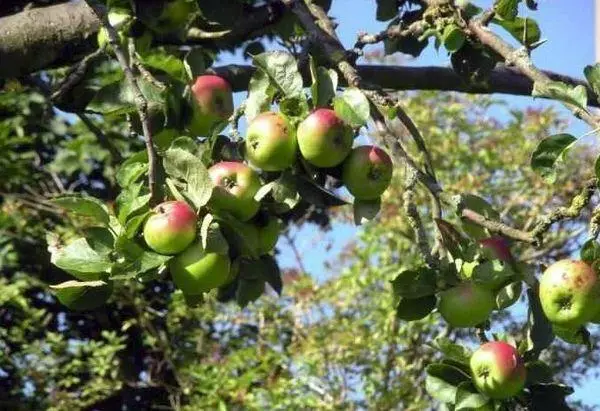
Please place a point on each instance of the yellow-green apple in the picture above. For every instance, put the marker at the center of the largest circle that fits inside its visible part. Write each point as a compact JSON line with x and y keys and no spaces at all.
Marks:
{"x":171,"y":227}
{"x":235,"y":186}
{"x":466,"y":304}
{"x":271,"y":142}
{"x":367,"y":172}
{"x":498,"y":370}
{"x":213,"y":104}
{"x":570,"y":293}
{"x":196,"y":271}
{"x":324,"y":139}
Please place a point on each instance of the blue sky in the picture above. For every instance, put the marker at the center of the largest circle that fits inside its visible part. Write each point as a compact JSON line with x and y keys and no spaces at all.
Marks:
{"x":569,"y":28}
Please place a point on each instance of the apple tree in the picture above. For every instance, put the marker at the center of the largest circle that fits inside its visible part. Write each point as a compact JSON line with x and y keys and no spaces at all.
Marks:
{"x":142,"y":204}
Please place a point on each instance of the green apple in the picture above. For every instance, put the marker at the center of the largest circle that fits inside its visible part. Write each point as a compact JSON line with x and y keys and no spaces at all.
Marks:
{"x":213,"y":104}
{"x":196,"y":271}
{"x":268,"y":233}
{"x":367,"y":172}
{"x":498,"y":370}
{"x":236,"y":185}
{"x":466,"y":305}
{"x":270,"y":142}
{"x":171,"y":227}
{"x":324,"y":139}
{"x":570,"y":293}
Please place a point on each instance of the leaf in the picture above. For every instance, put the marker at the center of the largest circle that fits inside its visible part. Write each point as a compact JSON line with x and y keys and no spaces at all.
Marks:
{"x":365,"y":211}
{"x":451,"y":350}
{"x":282,"y":70}
{"x":468,"y":398}
{"x":251,"y":284}
{"x":386,"y":9}
{"x":453,"y":38}
{"x":84,"y":206}
{"x":271,"y":273}
{"x":539,"y":329}
{"x":212,"y":239}
{"x":118,"y":98}
{"x":324,"y":85}
{"x":82,"y":298}
{"x":241,"y":237}
{"x":139,"y":261}
{"x":260,"y":95}
{"x":549,"y":396}
{"x":129,"y":173}
{"x":592,"y":74}
{"x":100,"y":239}
{"x":130,"y":201}
{"x":479,"y":205}
{"x":416,"y":283}
{"x":405,"y":44}
{"x":76,"y":284}
{"x":492,"y":274}
{"x":508,"y":295}
{"x":79,"y":257}
{"x":317,"y":195}
{"x":524,"y":30}
{"x":442,"y":381}
{"x":195,"y":62}
{"x":264,"y":190}
{"x":294,"y":106}
{"x":158,"y":58}
{"x":538,"y":372}
{"x":507,"y":9}
{"x":452,"y":239}
{"x":134,"y":223}
{"x":352,"y":107}
{"x":590,"y":251}
{"x":183,"y":165}
{"x":285,"y":193}
{"x":412,"y":309}
{"x":548,"y":151}
{"x":557,"y":90}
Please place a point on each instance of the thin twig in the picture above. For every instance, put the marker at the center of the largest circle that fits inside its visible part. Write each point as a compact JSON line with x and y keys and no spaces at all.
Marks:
{"x":101,"y":137}
{"x":76,"y":74}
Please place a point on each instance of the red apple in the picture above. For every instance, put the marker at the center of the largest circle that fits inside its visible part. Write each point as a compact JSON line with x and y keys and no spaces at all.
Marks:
{"x":235,"y":187}
{"x":498,"y":370}
{"x":466,"y":305}
{"x":171,"y":227}
{"x":367,"y":172}
{"x":271,"y":142}
{"x":496,"y":247}
{"x":213,"y":104}
{"x":324,"y":139}
{"x":570,"y":293}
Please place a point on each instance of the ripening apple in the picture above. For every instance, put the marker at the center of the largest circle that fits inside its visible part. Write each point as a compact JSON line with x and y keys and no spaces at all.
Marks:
{"x":213,"y":104}
{"x":324,"y":139}
{"x":271,"y":142}
{"x":496,"y":247}
{"x":171,"y":227}
{"x":498,"y":370}
{"x":196,"y":271}
{"x":466,"y":305}
{"x":235,"y":186}
{"x":367,"y":172}
{"x":268,"y":234}
{"x":570,"y":293}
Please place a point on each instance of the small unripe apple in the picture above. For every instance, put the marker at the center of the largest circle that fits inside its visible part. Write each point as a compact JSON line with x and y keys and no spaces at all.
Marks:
{"x":213,"y":104}
{"x":171,"y":227}
{"x":195,"y":271}
{"x":235,"y":187}
{"x":570,"y":293}
{"x":324,"y":139}
{"x":271,"y":142}
{"x":367,"y":172}
{"x":498,"y":370}
{"x":268,"y":235}
{"x":466,"y":305}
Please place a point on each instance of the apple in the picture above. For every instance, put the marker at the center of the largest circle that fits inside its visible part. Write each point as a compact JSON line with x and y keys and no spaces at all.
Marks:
{"x":498,"y":370}
{"x":271,"y":142}
{"x":196,"y":271}
{"x":466,"y":305}
{"x":496,"y":247}
{"x":324,"y":139}
{"x":268,"y":233}
{"x":235,"y":186}
{"x":570,"y":293}
{"x":367,"y":172}
{"x":213,"y":104}
{"x":171,"y":227}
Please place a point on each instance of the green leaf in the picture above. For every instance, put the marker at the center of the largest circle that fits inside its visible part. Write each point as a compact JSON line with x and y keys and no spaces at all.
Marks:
{"x":507,"y":9}
{"x":100,"y":239}
{"x":538,"y":372}
{"x":130,"y":173}
{"x":85,"y":206}
{"x":131,"y":201}
{"x":118,"y":98}
{"x":479,"y":205}
{"x":79,"y":257}
{"x":134,"y":223}
{"x":442,"y":381}
{"x":271,"y":273}
{"x":324,"y":85}
{"x":539,"y":329}
{"x":546,"y":154}
{"x":416,"y":283}
{"x":282,"y":70}
{"x":524,"y":30}
{"x":453,"y":241}
{"x":557,"y":90}
{"x":453,"y":38}
{"x":260,"y":95}
{"x":412,"y":309}
{"x":76,"y":284}
{"x":508,"y":295}
{"x":597,"y":167}
{"x":492,"y":274}
{"x":294,"y":106}
{"x":241,"y":237}
{"x":183,"y":165}
{"x":315,"y":194}
{"x":211,"y":236}
{"x":137,"y":260}
{"x":468,"y":398}
{"x":592,"y":74}
{"x":386,"y":9}
{"x":550,"y":396}
{"x":590,"y":251}
{"x":452,"y":351}
{"x":81,"y":298}
{"x":158,"y":58}
{"x":365,"y":211}
{"x":352,"y":107}
{"x":195,"y":63}
{"x":285,"y":193}
{"x":251,"y":283}
{"x":264,"y":190}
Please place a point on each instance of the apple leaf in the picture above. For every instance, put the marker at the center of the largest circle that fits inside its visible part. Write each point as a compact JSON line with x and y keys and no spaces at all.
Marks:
{"x":76,"y":284}
{"x":492,"y":274}
{"x":548,"y":152}
{"x":538,"y":372}
{"x":550,"y":396}
{"x":271,"y":273}
{"x":317,"y":195}
{"x":525,"y":30}
{"x":386,"y":9}
{"x":451,"y":350}
{"x":183,"y":165}
{"x":211,"y":236}
{"x":285,"y":193}
{"x":251,"y":283}
{"x":78,"y":256}
{"x":134,"y":223}
{"x":100,"y":239}
{"x":294,"y":106}
{"x":412,"y":309}
{"x":507,"y":9}
{"x":539,"y":329}
{"x":324,"y":85}
{"x":468,"y":398}
{"x":282,"y":70}
{"x":352,"y":107}
{"x":479,"y":205}
{"x":242,"y":237}
{"x":557,"y":90}
{"x":590,"y":251}
{"x":365,"y":211}
{"x":442,"y":381}
{"x":416,"y":283}
{"x":508,"y":295}
{"x":131,"y":201}
{"x":194,"y":62}
{"x":453,"y":38}
{"x":160,"y":59}
{"x":83,"y":297}
{"x":592,"y":74}
{"x":138,"y":261}
{"x":452,"y":239}
{"x":85,"y":206}
{"x":260,"y":95}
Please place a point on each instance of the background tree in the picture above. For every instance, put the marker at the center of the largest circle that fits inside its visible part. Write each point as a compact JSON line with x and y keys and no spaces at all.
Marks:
{"x":75,"y":120}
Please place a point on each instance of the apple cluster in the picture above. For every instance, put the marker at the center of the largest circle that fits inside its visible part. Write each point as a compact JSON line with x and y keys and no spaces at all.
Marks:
{"x":272,"y":144}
